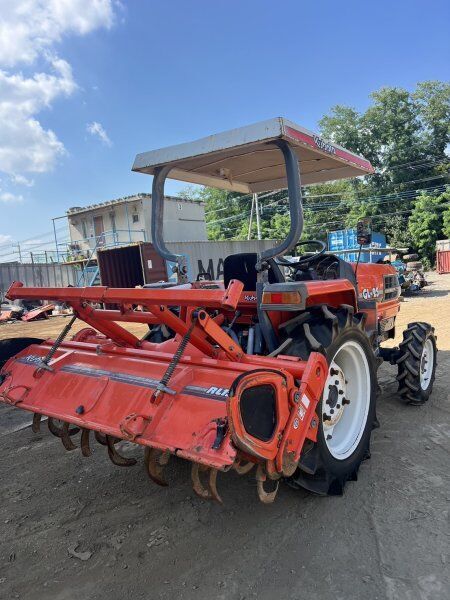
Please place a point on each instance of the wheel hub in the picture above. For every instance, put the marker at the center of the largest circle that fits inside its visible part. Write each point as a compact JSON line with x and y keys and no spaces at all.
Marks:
{"x":426,"y":364}
{"x":334,"y":396}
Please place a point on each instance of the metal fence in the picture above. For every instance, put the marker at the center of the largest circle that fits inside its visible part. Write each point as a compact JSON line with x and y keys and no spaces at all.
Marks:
{"x":36,"y":275}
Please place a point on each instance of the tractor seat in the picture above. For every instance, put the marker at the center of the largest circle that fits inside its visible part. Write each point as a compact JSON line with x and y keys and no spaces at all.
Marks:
{"x":242,"y":267}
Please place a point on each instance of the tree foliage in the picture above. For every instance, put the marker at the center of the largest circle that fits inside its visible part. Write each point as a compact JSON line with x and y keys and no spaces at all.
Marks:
{"x":426,"y":223}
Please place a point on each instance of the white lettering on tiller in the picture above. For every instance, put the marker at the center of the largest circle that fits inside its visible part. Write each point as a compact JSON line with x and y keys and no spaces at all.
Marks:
{"x":217,"y":391}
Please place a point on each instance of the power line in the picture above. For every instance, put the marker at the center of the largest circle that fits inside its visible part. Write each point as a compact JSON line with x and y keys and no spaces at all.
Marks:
{"x":349,"y":192}
{"x":39,"y":235}
{"x":406,"y":195}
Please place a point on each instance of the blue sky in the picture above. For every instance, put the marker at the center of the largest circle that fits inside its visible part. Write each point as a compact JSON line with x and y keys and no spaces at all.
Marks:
{"x":113,"y":79}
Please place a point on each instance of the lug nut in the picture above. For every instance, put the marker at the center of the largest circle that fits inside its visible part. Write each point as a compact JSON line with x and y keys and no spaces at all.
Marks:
{"x":336,"y":382}
{"x":345,"y":401}
{"x":332,"y":411}
{"x":341,"y":391}
{"x":334,"y":372}
{"x":329,"y":436}
{"x":326,"y":417}
{"x":338,"y":406}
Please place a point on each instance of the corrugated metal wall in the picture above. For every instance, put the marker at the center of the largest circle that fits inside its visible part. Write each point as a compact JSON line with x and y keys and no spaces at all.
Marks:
{"x":207,"y":257}
{"x":37,"y":275}
{"x":443,"y":256}
{"x":443,"y":261}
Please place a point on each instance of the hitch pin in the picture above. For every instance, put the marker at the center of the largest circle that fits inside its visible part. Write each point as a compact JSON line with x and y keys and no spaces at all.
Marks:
{"x":161,"y":388}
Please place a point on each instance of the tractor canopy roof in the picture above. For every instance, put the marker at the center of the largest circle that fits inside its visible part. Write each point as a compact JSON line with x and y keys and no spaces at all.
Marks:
{"x":247,"y":160}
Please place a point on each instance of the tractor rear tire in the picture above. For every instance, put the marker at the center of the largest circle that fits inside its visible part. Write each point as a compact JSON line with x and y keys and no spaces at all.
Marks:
{"x":417,"y":363}
{"x":335,"y":458}
{"x":12,"y":346}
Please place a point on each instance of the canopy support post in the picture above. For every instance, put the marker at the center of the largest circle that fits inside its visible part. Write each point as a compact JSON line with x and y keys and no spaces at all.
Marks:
{"x":158,"y":224}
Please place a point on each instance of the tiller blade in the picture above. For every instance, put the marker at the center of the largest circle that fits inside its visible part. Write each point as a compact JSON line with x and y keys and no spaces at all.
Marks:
{"x":155,"y":461}
{"x":210,"y":492}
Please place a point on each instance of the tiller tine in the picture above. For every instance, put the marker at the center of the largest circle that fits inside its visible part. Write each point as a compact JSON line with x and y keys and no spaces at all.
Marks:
{"x":65,"y":437}
{"x":100,"y":438}
{"x":261,"y":478}
{"x":243,"y":468}
{"x":209,"y":493}
{"x":85,"y":442}
{"x":155,"y":461}
{"x":36,"y":426}
{"x":56,"y":429}
{"x":116,"y":458}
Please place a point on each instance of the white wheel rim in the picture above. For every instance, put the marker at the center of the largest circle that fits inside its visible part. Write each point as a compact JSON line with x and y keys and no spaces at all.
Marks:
{"x":426,"y":364}
{"x":346,"y":400}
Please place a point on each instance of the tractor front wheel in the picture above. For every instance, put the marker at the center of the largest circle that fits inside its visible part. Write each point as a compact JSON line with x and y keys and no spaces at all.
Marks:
{"x":417,"y":363}
{"x":347,"y":408}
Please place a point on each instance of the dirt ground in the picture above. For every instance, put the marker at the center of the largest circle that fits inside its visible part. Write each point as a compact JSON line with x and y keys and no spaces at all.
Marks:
{"x":72,"y":527}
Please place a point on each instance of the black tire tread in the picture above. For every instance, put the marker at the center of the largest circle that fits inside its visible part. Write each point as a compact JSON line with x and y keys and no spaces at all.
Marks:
{"x":408,"y":362}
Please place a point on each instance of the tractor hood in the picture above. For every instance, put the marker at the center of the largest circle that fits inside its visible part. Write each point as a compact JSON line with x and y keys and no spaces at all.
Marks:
{"x":247,"y":160}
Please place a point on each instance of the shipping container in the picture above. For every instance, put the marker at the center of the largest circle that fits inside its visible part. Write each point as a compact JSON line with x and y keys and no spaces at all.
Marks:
{"x":443,"y":256}
{"x":129,"y":266}
{"x":346,"y":239}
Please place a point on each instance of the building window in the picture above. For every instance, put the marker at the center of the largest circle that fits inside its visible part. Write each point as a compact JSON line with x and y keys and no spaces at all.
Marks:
{"x":135,"y":218}
{"x":84,"y":228}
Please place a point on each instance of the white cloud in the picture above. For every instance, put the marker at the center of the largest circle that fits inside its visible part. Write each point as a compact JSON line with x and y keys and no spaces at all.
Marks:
{"x":29,"y":30}
{"x":22,"y":180}
{"x":30,"y":27}
{"x":24,"y":144}
{"x":5,"y":238}
{"x":9,"y":198}
{"x":96,"y":129}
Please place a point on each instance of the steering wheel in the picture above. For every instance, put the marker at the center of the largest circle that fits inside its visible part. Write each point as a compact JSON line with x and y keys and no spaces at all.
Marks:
{"x":306,"y":260}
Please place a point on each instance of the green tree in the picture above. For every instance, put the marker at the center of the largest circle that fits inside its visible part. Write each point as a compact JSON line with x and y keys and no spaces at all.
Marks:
{"x":427,"y":222}
{"x":397,"y":232}
{"x":433,"y":103}
{"x":404,"y":135}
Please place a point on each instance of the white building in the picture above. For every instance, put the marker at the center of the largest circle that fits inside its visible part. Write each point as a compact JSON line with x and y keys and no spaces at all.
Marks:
{"x":127,"y":220}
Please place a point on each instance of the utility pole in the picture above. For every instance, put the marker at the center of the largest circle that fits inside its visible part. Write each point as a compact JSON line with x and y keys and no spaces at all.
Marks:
{"x":258,"y":223}
{"x":19,"y":251}
{"x":251,"y":218}
{"x":56,"y":240}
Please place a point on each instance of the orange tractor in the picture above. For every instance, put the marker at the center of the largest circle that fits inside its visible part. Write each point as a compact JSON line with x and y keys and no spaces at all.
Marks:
{"x":273,"y":369}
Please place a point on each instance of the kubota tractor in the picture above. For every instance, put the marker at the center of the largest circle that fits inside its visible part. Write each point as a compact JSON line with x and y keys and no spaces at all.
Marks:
{"x":258,"y":371}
